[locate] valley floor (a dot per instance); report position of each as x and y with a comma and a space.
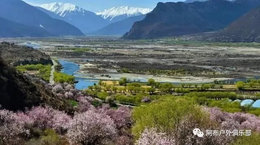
165, 61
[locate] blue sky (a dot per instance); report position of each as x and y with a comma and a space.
97, 5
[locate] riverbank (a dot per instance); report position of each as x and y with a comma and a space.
89, 79
144, 78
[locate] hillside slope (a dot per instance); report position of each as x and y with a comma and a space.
245, 29
23, 13
175, 19
20, 91
13, 29
26, 55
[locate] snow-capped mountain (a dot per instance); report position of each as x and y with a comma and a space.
62, 9
21, 17
120, 13
85, 20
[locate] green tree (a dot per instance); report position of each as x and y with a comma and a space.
123, 81
151, 91
240, 85
166, 88
174, 117
151, 82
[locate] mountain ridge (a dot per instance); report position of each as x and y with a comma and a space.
61, 8
86, 21
119, 13
20, 12
244, 29
12, 29
176, 19
118, 28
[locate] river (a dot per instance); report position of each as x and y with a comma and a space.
71, 68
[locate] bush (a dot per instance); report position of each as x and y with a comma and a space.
240, 85
125, 99
73, 103
226, 105
164, 115
102, 95
175, 118
166, 88
214, 95
62, 78
49, 137
123, 81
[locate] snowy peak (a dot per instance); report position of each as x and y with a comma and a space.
123, 10
61, 9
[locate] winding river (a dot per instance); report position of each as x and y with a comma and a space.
71, 68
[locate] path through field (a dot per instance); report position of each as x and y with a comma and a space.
52, 72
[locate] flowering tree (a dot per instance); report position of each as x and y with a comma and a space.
11, 129
47, 117
121, 116
83, 104
91, 128
124, 140
232, 121
152, 137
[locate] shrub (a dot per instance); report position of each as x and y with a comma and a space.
240, 85
62, 78
49, 137
166, 116
102, 95
123, 81
175, 118
214, 95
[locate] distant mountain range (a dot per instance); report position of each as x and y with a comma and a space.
116, 14
175, 19
118, 28
85, 20
217, 20
101, 23
26, 20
